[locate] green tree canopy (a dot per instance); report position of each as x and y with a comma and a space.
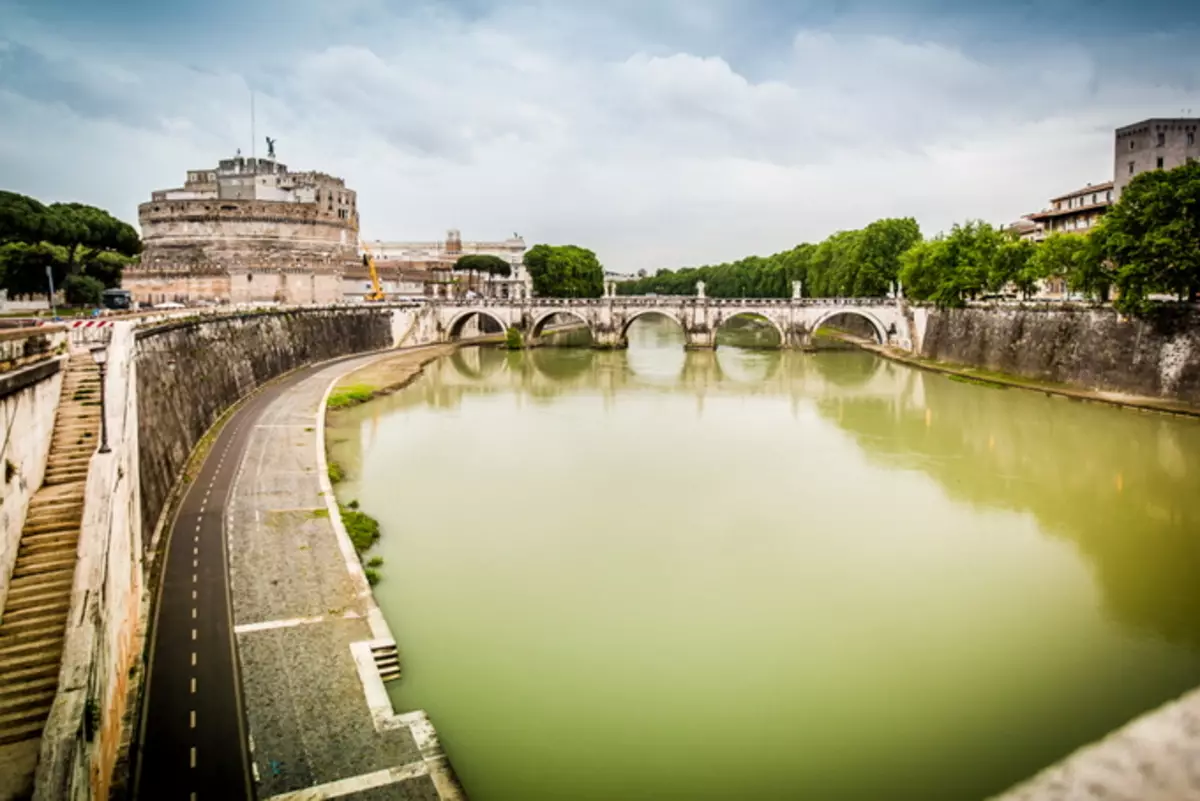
484, 263
565, 271
69, 238
861, 262
1151, 237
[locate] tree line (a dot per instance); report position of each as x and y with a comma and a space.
1147, 244
85, 248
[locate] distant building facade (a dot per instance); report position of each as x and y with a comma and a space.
1075, 212
1154, 144
408, 269
247, 231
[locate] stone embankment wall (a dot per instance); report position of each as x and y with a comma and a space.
1095, 348
28, 404
91, 719
190, 373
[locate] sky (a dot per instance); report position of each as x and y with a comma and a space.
658, 133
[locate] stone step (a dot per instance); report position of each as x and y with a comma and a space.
18, 733
33, 699
47, 670
44, 543
22, 656
70, 453
38, 564
35, 625
68, 477
45, 631
39, 582
26, 716
47, 509
35, 596
51, 527
14, 688
27, 612
44, 549
46, 498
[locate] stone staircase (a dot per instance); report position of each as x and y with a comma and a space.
35, 614
387, 659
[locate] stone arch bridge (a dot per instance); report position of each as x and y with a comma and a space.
608, 318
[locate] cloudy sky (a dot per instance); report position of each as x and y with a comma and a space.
656, 132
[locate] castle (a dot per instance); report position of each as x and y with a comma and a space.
247, 231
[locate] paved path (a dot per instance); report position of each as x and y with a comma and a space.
252, 547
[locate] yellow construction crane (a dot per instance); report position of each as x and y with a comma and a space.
375, 295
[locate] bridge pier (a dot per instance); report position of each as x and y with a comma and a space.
608, 338
700, 339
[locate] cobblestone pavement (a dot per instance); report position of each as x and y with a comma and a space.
296, 612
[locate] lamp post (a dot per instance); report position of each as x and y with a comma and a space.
100, 357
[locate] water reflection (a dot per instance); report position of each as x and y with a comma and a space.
833, 555
1117, 484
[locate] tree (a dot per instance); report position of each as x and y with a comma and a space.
1152, 237
880, 247
484, 263
565, 271
23, 219
82, 290
928, 271
1012, 266
80, 226
1058, 256
24, 266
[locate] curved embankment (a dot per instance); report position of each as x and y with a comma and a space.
1086, 353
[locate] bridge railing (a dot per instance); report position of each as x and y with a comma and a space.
662, 300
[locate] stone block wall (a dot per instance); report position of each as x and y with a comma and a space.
189, 373
28, 405
1093, 348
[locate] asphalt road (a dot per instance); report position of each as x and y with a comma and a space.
193, 742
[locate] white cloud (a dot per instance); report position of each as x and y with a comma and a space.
520, 122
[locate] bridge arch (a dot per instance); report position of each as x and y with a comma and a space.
539, 323
881, 331
757, 314
652, 310
454, 329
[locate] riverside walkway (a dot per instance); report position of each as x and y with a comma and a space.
292, 705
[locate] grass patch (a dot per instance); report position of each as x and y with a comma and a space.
375, 561
320, 513
351, 396
962, 379
336, 473
372, 575
362, 528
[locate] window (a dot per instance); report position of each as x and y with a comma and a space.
1131, 168
1159, 163
1191, 139
1109, 196
1162, 138
1131, 144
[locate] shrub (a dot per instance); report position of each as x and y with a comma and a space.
375, 561
372, 576
82, 290
336, 473
512, 339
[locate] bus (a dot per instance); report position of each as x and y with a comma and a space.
119, 299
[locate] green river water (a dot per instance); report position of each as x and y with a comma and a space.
659, 574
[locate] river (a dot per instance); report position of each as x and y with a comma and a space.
659, 574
